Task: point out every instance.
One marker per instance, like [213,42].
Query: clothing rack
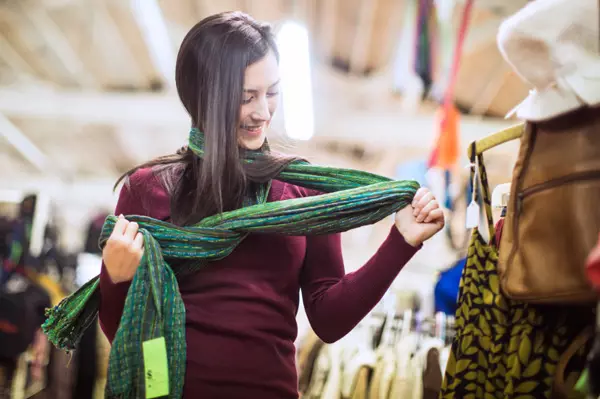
[440,326]
[398,344]
[398,314]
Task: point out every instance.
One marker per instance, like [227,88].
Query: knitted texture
[154,308]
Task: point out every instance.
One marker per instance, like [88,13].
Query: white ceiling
[78,82]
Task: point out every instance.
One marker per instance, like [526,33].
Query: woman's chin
[252,143]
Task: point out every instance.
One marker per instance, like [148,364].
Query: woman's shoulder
[143,179]
[143,193]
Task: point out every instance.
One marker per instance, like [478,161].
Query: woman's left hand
[421,220]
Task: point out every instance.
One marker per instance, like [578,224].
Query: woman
[240,311]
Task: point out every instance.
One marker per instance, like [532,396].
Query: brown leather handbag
[553,218]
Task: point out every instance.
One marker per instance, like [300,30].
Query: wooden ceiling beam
[490,91]
[152,26]
[362,36]
[115,41]
[13,59]
[30,46]
[24,145]
[205,8]
[57,41]
[210,7]
[182,13]
[388,21]
[327,28]
[481,36]
[247,6]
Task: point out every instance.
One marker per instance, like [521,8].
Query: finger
[431,205]
[132,229]
[425,199]
[138,242]
[120,227]
[419,194]
[422,192]
[435,215]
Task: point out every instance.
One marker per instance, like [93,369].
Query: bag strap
[479,179]
[560,387]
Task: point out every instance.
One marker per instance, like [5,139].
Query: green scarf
[154,308]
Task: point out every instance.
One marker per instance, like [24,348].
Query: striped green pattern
[154,307]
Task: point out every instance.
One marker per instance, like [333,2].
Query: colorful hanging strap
[446,151]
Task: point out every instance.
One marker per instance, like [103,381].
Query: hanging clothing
[358,362]
[425,45]
[91,356]
[406,364]
[19,296]
[592,382]
[102,351]
[357,375]
[508,349]
[326,382]
[86,362]
[342,370]
[50,285]
[23,385]
[306,360]
[446,288]
[6,226]
[444,356]
[426,368]
[447,36]
[403,380]
[18,247]
[61,377]
[405,79]
[384,373]
[8,368]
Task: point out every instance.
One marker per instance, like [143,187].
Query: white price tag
[473,215]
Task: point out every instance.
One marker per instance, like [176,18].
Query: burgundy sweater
[241,311]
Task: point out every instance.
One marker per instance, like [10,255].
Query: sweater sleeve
[141,196]
[334,301]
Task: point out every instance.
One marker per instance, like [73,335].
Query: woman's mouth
[253,130]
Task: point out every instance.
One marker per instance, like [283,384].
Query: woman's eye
[247,100]
[272,94]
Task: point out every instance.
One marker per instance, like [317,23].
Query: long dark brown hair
[210,71]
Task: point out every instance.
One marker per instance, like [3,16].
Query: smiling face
[259,101]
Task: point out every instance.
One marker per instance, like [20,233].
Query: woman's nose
[261,110]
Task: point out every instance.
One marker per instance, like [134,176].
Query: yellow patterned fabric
[506,349]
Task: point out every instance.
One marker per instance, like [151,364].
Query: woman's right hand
[123,251]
